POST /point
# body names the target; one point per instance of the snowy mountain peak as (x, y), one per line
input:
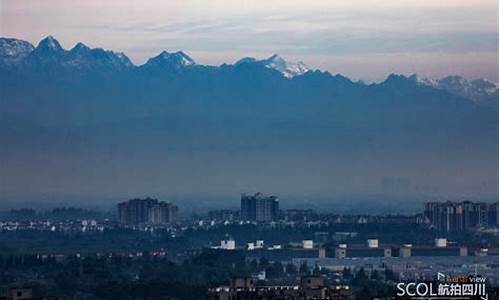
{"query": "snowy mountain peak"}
(182, 58)
(423, 80)
(288, 69)
(13, 50)
(80, 48)
(49, 43)
(245, 60)
(123, 59)
(179, 57)
(478, 90)
(454, 81)
(297, 68)
(82, 57)
(175, 59)
(485, 85)
(276, 62)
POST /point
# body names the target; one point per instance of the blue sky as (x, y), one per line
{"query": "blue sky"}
(363, 39)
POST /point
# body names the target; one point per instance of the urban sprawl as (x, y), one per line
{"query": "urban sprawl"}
(280, 254)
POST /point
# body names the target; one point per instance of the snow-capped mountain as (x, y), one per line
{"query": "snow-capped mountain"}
(14, 50)
(49, 55)
(479, 90)
(423, 80)
(276, 62)
(199, 118)
(175, 60)
(83, 57)
(49, 44)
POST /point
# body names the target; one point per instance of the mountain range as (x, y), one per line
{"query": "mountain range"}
(15, 53)
(89, 121)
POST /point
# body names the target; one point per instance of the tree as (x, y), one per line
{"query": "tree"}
(291, 269)
(254, 264)
(316, 270)
(346, 273)
(389, 275)
(304, 269)
(275, 270)
(263, 263)
(361, 275)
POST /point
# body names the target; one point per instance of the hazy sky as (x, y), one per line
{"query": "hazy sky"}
(363, 39)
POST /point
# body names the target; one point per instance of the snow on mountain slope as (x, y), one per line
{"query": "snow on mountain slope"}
(479, 90)
(173, 60)
(276, 62)
(14, 50)
(50, 54)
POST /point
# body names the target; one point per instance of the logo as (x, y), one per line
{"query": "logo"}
(445, 287)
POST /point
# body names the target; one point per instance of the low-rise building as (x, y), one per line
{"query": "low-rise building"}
(310, 287)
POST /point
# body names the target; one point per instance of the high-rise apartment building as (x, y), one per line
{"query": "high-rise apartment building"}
(162, 213)
(259, 207)
(146, 211)
(461, 216)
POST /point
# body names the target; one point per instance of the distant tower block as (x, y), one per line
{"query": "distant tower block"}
(405, 250)
(481, 252)
(340, 251)
(464, 251)
(372, 243)
(228, 244)
(387, 252)
(307, 244)
(441, 242)
(20, 294)
(321, 252)
(259, 207)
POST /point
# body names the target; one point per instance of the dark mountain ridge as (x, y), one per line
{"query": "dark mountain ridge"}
(86, 115)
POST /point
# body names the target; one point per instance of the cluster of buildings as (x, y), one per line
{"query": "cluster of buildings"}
(21, 293)
(449, 216)
(372, 248)
(310, 287)
(413, 268)
(147, 211)
(405, 261)
(56, 226)
(259, 208)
